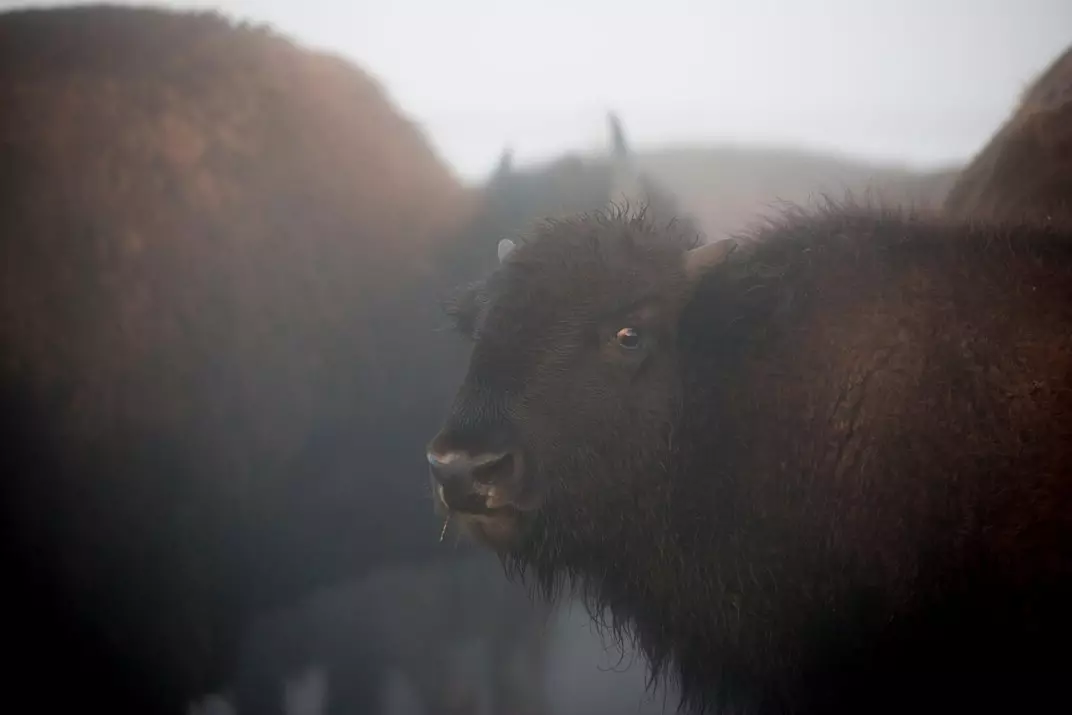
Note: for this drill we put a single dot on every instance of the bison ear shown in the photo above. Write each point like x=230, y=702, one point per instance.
x=703, y=258
x=505, y=247
x=619, y=149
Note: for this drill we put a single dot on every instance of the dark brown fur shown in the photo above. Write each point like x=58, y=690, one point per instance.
x=834, y=478
x=219, y=347
x=1026, y=168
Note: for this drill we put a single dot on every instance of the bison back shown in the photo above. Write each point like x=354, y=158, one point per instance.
x=213, y=242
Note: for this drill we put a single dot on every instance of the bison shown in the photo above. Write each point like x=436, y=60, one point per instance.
x=1026, y=168
x=822, y=467
x=217, y=366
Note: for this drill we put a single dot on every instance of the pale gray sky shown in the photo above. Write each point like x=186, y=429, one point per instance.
x=917, y=81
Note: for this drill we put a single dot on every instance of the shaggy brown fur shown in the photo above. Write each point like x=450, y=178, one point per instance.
x=1026, y=168
x=831, y=475
x=218, y=343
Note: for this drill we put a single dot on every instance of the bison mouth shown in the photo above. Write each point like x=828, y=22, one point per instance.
x=481, y=501
x=485, y=516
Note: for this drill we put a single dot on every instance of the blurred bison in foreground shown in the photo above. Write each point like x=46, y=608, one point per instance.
x=219, y=347
x=410, y=619
x=1026, y=168
x=829, y=472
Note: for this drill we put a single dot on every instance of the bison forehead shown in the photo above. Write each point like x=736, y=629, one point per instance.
x=603, y=260
x=546, y=302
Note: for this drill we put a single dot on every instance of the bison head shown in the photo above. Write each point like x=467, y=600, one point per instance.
x=571, y=385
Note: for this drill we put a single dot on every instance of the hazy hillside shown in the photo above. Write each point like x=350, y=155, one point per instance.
x=727, y=187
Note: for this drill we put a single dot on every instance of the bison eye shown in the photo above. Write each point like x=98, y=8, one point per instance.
x=628, y=338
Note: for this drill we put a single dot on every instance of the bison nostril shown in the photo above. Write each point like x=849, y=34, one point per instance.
x=484, y=469
x=437, y=460
x=475, y=483
x=493, y=468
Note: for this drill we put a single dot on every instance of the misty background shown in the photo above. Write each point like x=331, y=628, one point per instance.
x=916, y=82
x=743, y=101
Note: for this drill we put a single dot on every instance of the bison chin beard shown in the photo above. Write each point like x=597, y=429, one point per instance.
x=581, y=546
x=577, y=538
x=499, y=530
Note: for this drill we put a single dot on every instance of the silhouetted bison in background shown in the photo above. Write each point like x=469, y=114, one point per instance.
x=828, y=472
x=398, y=614
x=1026, y=168
x=219, y=346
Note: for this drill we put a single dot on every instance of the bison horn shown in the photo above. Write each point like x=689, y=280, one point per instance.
x=505, y=246
x=625, y=181
x=506, y=163
x=700, y=260
x=619, y=149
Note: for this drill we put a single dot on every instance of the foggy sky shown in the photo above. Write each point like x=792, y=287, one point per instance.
x=923, y=82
